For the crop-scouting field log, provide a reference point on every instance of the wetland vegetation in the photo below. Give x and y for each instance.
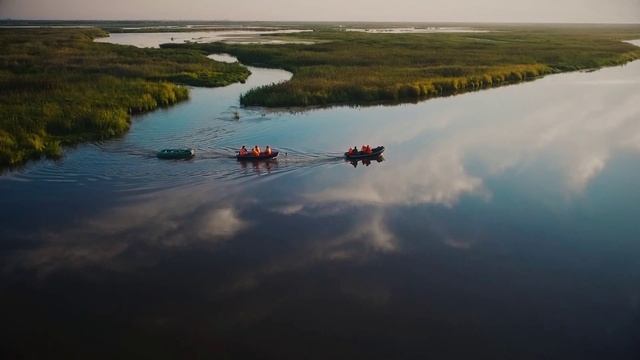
(58, 87)
(344, 67)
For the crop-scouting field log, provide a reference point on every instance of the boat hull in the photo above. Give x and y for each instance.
(251, 157)
(377, 152)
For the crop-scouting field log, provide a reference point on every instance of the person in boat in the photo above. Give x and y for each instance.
(243, 150)
(369, 151)
(256, 151)
(267, 150)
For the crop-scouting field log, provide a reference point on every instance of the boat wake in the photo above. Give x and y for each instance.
(137, 169)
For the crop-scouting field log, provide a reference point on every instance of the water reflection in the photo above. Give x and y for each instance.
(545, 140)
(168, 219)
(260, 167)
(511, 208)
(365, 162)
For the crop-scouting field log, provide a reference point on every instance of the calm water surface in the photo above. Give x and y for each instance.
(501, 224)
(414, 30)
(231, 36)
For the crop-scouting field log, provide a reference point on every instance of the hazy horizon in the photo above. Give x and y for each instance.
(489, 11)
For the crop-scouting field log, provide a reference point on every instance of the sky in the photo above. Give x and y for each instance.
(590, 11)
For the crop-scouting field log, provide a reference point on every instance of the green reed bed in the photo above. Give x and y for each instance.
(58, 87)
(361, 68)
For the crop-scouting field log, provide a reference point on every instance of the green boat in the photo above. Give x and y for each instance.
(176, 153)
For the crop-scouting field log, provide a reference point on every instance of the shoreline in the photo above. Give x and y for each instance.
(354, 69)
(70, 89)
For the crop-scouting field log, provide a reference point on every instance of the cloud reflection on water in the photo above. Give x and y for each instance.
(555, 135)
(168, 219)
(557, 131)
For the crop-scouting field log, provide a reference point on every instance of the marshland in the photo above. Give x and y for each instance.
(349, 68)
(500, 223)
(59, 87)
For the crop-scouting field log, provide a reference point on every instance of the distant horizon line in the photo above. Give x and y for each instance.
(327, 21)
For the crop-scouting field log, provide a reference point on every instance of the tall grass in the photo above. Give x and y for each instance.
(58, 87)
(360, 68)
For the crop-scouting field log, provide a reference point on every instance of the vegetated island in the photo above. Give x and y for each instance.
(348, 67)
(58, 87)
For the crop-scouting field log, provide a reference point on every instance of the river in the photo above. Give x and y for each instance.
(502, 222)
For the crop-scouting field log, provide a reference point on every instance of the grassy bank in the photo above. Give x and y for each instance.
(361, 68)
(58, 87)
